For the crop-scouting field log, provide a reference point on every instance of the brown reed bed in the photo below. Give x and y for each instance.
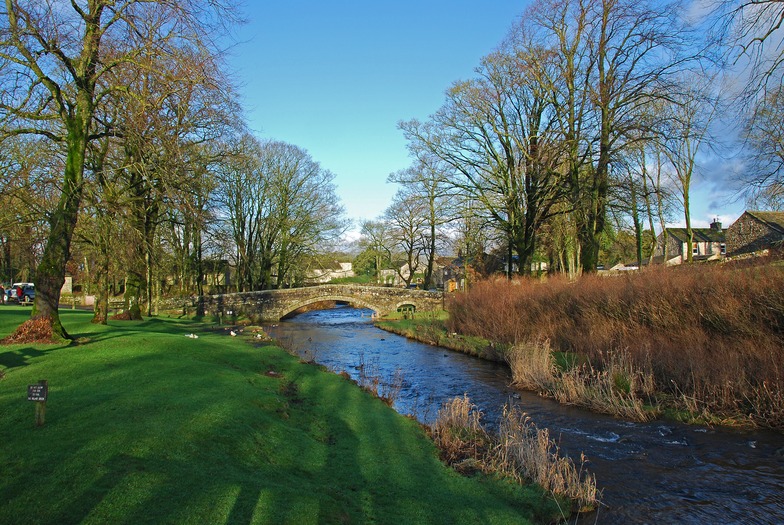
(519, 450)
(705, 339)
(618, 389)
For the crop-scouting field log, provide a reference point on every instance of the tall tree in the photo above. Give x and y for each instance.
(496, 131)
(376, 240)
(407, 217)
(174, 105)
(280, 206)
(616, 58)
(686, 131)
(55, 62)
(28, 165)
(427, 181)
(242, 201)
(638, 47)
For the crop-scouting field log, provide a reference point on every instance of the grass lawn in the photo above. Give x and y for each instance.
(145, 425)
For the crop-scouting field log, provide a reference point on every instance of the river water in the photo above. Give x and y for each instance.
(659, 472)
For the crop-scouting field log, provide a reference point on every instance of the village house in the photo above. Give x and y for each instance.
(754, 231)
(404, 272)
(333, 270)
(707, 244)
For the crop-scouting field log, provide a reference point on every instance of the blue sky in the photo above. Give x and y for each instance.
(335, 78)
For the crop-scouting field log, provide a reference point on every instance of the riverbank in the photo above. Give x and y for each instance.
(167, 420)
(430, 328)
(700, 344)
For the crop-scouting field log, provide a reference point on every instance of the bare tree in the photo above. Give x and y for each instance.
(685, 133)
(764, 137)
(428, 181)
(28, 165)
(616, 58)
(242, 204)
(280, 207)
(497, 132)
(753, 29)
(407, 218)
(376, 239)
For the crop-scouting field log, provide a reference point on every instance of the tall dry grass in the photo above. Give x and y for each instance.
(527, 452)
(619, 388)
(519, 450)
(710, 336)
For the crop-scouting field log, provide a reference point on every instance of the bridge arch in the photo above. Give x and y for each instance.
(353, 301)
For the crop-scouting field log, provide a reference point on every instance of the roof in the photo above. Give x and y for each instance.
(773, 219)
(699, 234)
(445, 261)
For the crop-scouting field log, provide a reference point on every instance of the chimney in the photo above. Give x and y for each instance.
(715, 225)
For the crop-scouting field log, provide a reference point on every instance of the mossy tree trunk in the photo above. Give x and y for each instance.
(28, 39)
(50, 274)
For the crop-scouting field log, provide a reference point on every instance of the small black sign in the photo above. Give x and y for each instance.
(37, 392)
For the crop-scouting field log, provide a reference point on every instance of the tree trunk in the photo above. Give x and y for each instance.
(689, 232)
(636, 221)
(200, 274)
(649, 211)
(101, 307)
(431, 256)
(50, 274)
(134, 291)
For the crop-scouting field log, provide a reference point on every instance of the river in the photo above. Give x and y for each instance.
(658, 472)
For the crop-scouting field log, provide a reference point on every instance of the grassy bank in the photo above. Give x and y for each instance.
(146, 425)
(430, 328)
(706, 341)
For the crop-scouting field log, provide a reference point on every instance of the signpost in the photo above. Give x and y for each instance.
(38, 393)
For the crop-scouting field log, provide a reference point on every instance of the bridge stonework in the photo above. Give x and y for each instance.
(272, 305)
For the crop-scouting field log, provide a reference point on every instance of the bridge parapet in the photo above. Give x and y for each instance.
(272, 305)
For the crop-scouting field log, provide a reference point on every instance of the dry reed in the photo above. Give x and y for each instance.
(527, 452)
(620, 389)
(520, 450)
(709, 338)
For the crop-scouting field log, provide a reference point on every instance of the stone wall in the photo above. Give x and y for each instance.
(747, 235)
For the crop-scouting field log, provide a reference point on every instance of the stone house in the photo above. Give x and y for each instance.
(707, 244)
(755, 230)
(333, 270)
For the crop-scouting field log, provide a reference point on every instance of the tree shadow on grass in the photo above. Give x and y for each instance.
(161, 490)
(19, 357)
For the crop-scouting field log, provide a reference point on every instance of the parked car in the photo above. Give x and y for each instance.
(27, 295)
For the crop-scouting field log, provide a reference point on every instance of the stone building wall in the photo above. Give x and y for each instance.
(748, 234)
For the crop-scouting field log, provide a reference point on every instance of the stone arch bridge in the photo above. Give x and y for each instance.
(272, 305)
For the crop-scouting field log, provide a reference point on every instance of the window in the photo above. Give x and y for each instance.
(695, 250)
(723, 249)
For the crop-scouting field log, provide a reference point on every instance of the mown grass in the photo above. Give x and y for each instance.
(145, 425)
